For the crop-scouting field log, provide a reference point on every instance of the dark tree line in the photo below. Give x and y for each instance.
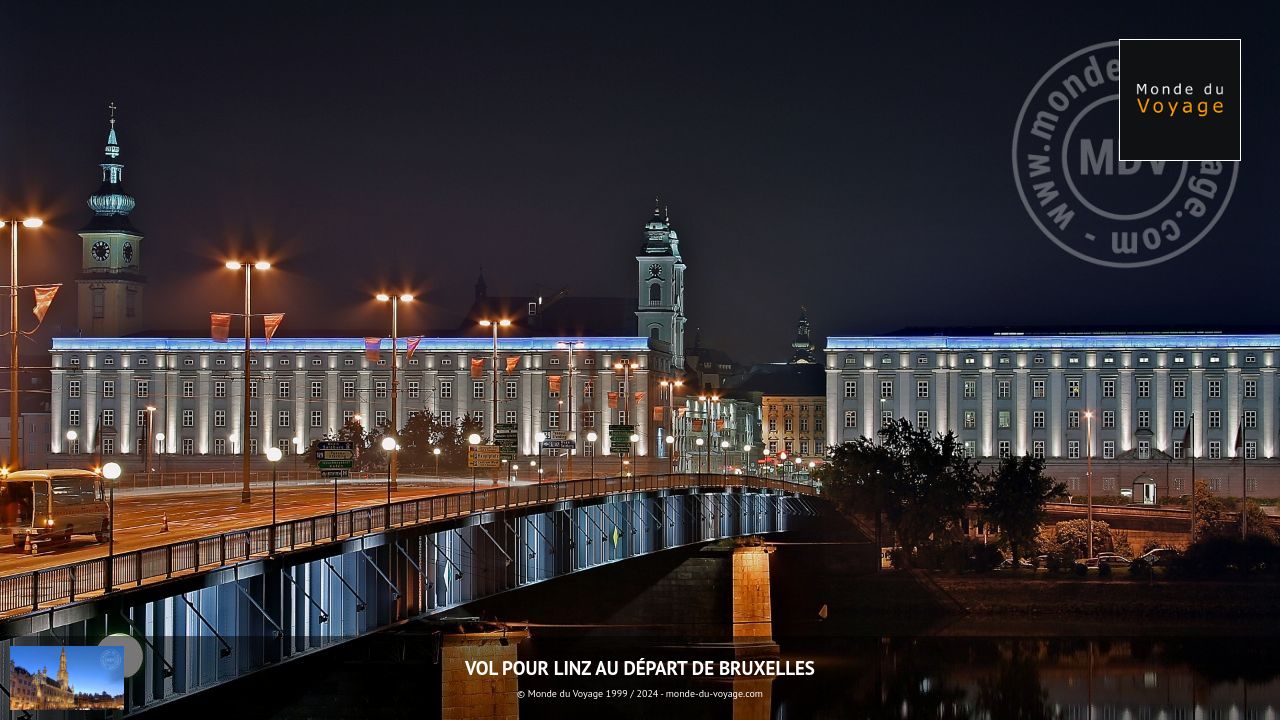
(418, 439)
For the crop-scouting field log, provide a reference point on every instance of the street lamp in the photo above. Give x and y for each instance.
(395, 301)
(248, 269)
(473, 439)
(671, 454)
(111, 471)
(634, 439)
(625, 366)
(670, 386)
(14, 457)
(746, 458)
(71, 436)
(570, 344)
(436, 453)
(1088, 473)
(592, 437)
(151, 424)
(273, 455)
(493, 418)
(724, 457)
(389, 446)
(699, 442)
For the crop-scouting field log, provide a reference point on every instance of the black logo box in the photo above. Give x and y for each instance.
(1186, 67)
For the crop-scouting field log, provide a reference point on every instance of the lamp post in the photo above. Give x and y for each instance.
(539, 437)
(436, 453)
(395, 301)
(570, 344)
(273, 455)
(699, 442)
(724, 457)
(389, 446)
(634, 439)
(473, 439)
(71, 437)
(591, 438)
(1088, 473)
(110, 471)
(248, 269)
(746, 458)
(493, 418)
(15, 458)
(625, 367)
(151, 424)
(670, 386)
(671, 454)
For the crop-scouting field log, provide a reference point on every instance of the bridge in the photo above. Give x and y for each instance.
(206, 610)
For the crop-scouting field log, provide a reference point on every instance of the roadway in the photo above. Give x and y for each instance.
(205, 511)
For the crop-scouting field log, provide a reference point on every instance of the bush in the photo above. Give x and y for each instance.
(1054, 562)
(1216, 554)
(1140, 569)
(1079, 570)
(1151, 544)
(984, 558)
(1104, 571)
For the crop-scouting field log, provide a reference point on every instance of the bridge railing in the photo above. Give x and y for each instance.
(33, 590)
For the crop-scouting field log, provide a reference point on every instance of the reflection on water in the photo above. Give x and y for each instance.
(1195, 679)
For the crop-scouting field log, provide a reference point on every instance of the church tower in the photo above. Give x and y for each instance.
(111, 282)
(64, 680)
(802, 346)
(660, 278)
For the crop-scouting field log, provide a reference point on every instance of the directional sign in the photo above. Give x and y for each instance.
(484, 456)
(620, 438)
(336, 455)
(335, 473)
(558, 445)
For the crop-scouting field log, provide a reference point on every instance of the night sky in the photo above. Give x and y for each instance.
(852, 160)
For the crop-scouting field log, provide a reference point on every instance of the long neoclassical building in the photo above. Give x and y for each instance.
(1124, 401)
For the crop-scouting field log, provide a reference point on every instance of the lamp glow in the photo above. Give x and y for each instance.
(111, 470)
(474, 438)
(592, 436)
(274, 454)
(389, 443)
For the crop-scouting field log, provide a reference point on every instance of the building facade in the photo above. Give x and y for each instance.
(107, 392)
(1138, 407)
(40, 691)
(660, 285)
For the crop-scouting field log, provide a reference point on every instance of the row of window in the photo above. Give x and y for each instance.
(1072, 359)
(1004, 448)
(1004, 419)
(284, 418)
(1004, 388)
(284, 389)
(285, 361)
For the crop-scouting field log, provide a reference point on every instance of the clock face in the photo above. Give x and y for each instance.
(101, 251)
(128, 252)
(655, 270)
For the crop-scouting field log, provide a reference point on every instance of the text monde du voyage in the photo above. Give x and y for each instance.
(1179, 100)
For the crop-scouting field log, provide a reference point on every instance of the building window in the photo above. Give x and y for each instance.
(1073, 387)
(143, 388)
(477, 389)
(1215, 388)
(1250, 450)
(1073, 418)
(588, 389)
(1004, 388)
(317, 389)
(316, 418)
(886, 418)
(219, 446)
(283, 418)
(886, 389)
(348, 389)
(446, 389)
(1144, 418)
(1108, 449)
(1251, 388)
(1037, 388)
(1004, 419)
(922, 419)
(477, 417)
(1179, 418)
(970, 419)
(1179, 388)
(108, 388)
(219, 418)
(253, 418)
(1108, 419)
(804, 422)
(220, 389)
(1144, 449)
(922, 388)
(851, 388)
(348, 416)
(415, 390)
(1109, 388)
(188, 446)
(1215, 419)
(282, 389)
(970, 448)
(99, 303)
(446, 418)
(773, 424)
(108, 418)
(188, 418)
(1144, 388)
(188, 388)
(1073, 449)
(1005, 448)
(850, 419)
(553, 419)
(971, 388)
(380, 389)
(1037, 449)
(380, 418)
(73, 388)
(1251, 419)
(1037, 419)
(73, 418)
(1215, 450)
(1177, 449)
(588, 419)
(253, 388)
(253, 446)
(786, 425)
(141, 418)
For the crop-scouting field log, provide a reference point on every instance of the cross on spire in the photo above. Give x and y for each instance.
(112, 107)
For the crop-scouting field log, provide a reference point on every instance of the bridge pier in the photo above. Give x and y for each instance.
(752, 613)
(473, 696)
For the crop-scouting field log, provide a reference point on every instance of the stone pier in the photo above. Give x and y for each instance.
(752, 609)
(467, 696)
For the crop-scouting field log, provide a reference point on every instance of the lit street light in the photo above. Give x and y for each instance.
(1088, 474)
(474, 439)
(389, 446)
(724, 457)
(248, 316)
(15, 459)
(493, 417)
(592, 437)
(436, 453)
(670, 386)
(746, 458)
(395, 301)
(111, 471)
(71, 438)
(634, 439)
(273, 455)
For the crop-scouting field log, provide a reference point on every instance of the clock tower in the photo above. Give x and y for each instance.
(660, 298)
(110, 284)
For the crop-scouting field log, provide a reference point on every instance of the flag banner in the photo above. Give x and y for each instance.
(553, 383)
(639, 397)
(697, 424)
(271, 323)
(1240, 437)
(1186, 440)
(373, 349)
(512, 363)
(219, 326)
(719, 424)
(477, 368)
(411, 344)
(613, 401)
(44, 298)
(658, 413)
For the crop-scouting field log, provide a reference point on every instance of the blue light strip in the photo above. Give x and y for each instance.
(343, 344)
(944, 343)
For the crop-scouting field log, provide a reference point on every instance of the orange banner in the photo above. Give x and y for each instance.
(512, 363)
(639, 397)
(553, 383)
(697, 424)
(411, 344)
(613, 401)
(44, 298)
(271, 323)
(372, 349)
(719, 423)
(658, 413)
(219, 326)
(477, 368)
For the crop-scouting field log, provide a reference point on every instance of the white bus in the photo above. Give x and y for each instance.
(39, 507)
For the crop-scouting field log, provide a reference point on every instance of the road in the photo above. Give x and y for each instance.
(201, 512)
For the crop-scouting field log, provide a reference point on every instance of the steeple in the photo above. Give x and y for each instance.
(64, 681)
(111, 205)
(482, 290)
(660, 238)
(802, 346)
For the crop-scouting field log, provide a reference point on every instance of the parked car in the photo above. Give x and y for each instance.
(1111, 559)
(1160, 556)
(1023, 563)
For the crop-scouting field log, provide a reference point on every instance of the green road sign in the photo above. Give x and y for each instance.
(335, 455)
(620, 438)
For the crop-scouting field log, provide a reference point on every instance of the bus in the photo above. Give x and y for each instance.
(41, 507)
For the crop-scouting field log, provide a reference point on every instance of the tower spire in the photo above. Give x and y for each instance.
(802, 346)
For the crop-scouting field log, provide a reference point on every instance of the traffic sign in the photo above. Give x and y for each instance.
(505, 435)
(335, 473)
(335, 455)
(558, 445)
(484, 456)
(620, 438)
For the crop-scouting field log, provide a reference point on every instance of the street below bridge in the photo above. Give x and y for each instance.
(205, 511)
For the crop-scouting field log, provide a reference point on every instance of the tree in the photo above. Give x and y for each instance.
(857, 478)
(1072, 537)
(1013, 496)
(1209, 511)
